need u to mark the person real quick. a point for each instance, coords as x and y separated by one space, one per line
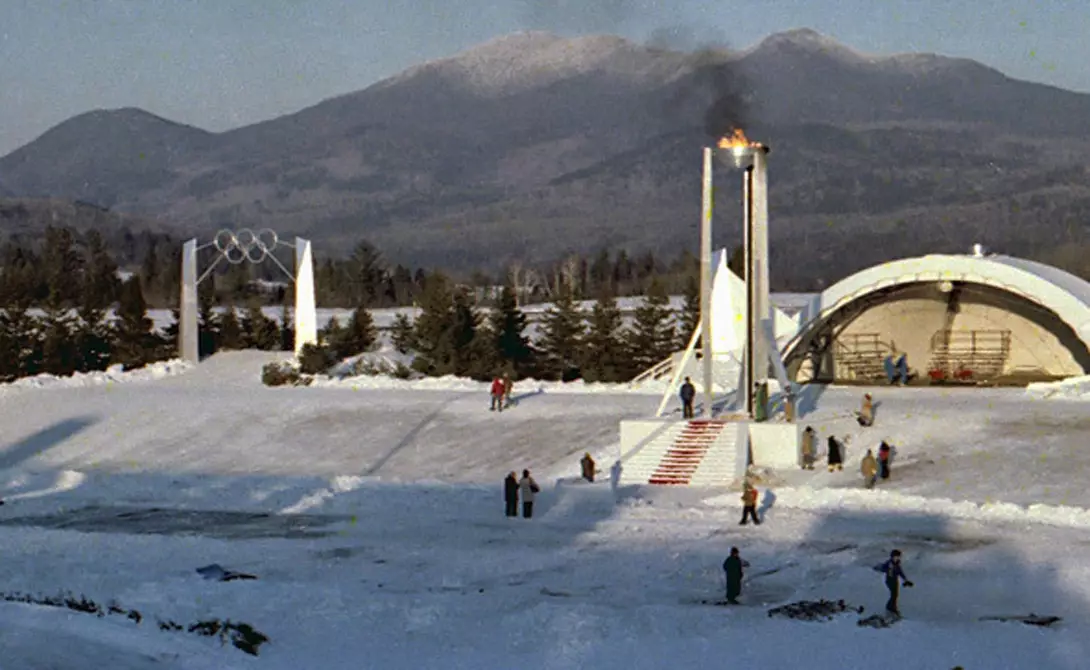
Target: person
687 393
884 453
869 469
892 570
587 464
497 395
511 494
508 385
896 368
789 406
866 412
733 567
809 448
749 504
760 402
836 454
528 489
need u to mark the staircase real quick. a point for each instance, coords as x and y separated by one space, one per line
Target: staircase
684 456
726 459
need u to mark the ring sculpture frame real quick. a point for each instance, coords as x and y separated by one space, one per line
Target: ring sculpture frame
247 246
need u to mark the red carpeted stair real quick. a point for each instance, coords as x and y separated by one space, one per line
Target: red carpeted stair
681 460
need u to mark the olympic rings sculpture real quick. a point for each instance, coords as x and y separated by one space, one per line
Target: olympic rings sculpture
246 245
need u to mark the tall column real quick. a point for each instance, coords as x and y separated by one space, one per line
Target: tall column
761 299
188 330
748 351
306 310
706 283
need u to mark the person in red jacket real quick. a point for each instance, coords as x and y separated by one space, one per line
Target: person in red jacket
497 395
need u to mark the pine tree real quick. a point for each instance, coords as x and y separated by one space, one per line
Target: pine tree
605 354
513 347
257 330
402 335
20 331
562 338
287 326
358 337
63 268
651 337
689 319
229 329
207 325
135 342
433 328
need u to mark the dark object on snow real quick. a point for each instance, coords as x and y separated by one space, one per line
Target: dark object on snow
810 610
219 573
733 567
879 620
511 494
1031 620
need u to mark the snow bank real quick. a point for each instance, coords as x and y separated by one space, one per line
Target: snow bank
1072 388
112 375
877 501
523 387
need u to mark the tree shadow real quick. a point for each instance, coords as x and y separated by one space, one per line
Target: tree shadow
409 437
41 441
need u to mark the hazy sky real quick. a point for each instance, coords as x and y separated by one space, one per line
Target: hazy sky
218 64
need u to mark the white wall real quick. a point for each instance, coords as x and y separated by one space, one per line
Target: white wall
775 445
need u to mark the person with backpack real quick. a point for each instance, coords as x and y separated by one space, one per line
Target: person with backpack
511 494
892 570
688 394
733 567
528 488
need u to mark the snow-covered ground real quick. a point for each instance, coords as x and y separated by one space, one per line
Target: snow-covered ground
372 518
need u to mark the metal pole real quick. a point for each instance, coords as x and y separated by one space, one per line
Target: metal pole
706 282
751 311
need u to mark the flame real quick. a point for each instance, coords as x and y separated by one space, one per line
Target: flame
736 139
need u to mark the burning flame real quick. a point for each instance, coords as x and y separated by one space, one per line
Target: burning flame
736 140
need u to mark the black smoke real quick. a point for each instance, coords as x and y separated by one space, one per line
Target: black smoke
715 92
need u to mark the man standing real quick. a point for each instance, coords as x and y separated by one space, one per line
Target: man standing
688 392
892 571
733 567
511 494
869 469
865 417
528 489
497 395
749 504
884 453
587 464
508 386
809 448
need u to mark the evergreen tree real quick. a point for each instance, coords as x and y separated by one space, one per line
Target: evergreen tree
402 334
207 325
368 275
513 347
135 342
562 337
257 330
484 361
689 320
651 337
287 326
20 331
229 329
433 328
465 360
63 265
358 337
605 354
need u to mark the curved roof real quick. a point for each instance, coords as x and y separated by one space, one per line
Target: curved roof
1062 293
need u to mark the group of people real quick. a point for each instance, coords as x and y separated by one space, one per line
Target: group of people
514 489
891 569
501 393
871 468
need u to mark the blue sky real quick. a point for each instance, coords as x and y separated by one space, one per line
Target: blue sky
219 64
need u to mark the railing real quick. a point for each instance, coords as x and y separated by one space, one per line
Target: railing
968 355
860 356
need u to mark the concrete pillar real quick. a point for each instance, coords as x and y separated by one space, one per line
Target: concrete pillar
306 309
188 329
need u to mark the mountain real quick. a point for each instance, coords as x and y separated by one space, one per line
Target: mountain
532 145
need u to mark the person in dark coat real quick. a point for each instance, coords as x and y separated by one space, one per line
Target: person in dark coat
587 463
892 571
733 567
511 494
687 393
836 454
884 453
